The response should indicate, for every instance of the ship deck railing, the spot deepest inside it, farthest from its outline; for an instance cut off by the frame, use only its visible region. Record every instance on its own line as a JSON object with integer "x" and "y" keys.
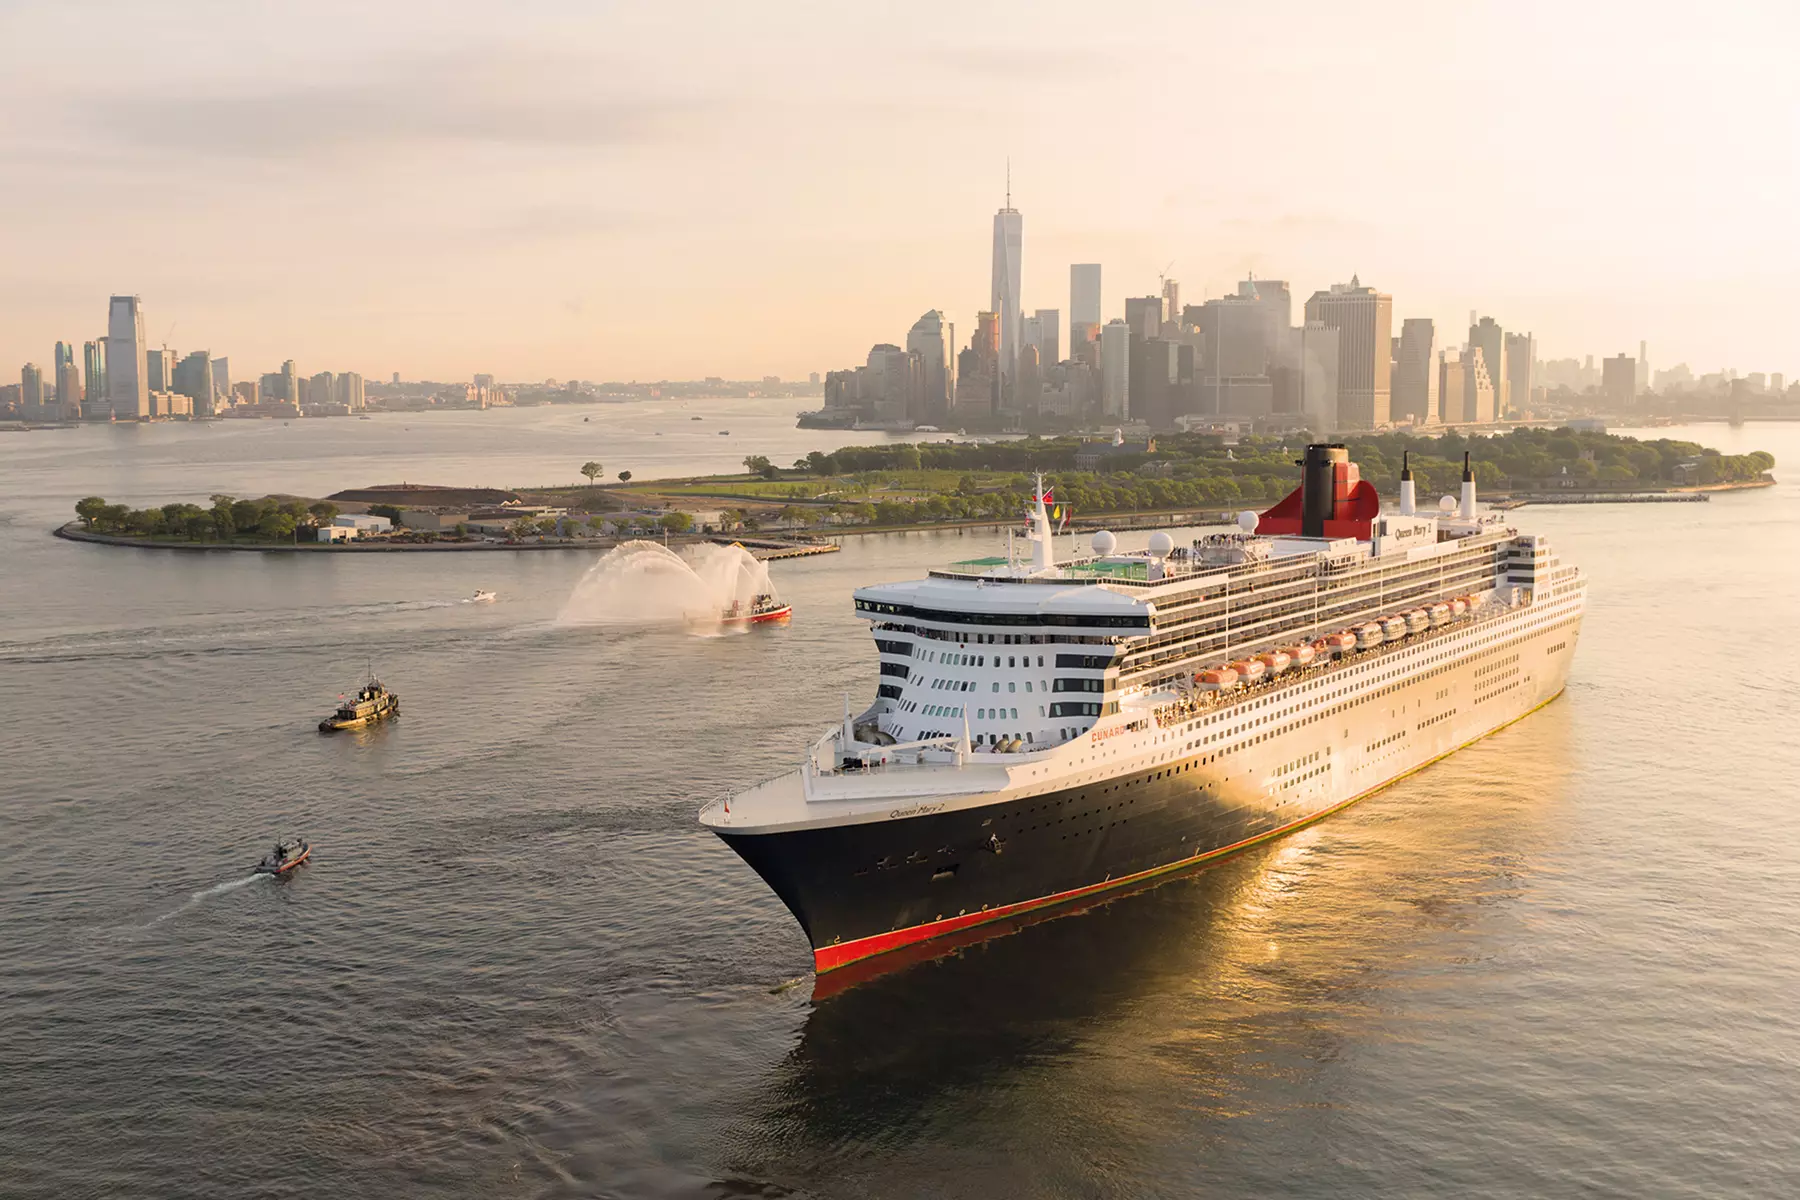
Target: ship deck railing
{"x": 1194, "y": 702}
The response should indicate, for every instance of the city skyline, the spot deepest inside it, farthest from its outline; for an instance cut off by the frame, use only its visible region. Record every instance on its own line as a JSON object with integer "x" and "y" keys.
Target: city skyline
{"x": 615, "y": 218}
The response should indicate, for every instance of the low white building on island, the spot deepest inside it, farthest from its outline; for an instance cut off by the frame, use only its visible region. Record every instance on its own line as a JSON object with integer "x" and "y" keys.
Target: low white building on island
{"x": 346, "y": 526}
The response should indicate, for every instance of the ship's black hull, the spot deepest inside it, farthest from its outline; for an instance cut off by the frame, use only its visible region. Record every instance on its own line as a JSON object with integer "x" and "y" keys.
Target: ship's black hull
{"x": 867, "y": 888}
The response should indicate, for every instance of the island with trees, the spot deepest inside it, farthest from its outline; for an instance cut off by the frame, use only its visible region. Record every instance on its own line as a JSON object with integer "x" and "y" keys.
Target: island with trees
{"x": 1176, "y": 478}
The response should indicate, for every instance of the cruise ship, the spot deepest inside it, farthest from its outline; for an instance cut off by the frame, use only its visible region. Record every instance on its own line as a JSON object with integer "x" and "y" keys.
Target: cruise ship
{"x": 1043, "y": 731}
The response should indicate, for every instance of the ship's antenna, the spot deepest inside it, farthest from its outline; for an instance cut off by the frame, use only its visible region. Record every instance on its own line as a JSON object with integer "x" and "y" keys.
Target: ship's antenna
{"x": 1009, "y": 181}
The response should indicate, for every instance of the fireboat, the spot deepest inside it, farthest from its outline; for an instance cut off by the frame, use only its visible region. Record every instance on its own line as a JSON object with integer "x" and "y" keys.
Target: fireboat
{"x": 764, "y": 607}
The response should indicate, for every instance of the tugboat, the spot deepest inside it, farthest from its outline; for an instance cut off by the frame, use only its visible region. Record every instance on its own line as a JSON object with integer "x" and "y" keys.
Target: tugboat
{"x": 284, "y": 857}
{"x": 760, "y": 609}
{"x": 373, "y": 703}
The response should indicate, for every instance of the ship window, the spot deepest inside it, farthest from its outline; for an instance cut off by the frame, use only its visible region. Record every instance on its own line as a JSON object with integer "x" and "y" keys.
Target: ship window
{"x": 1011, "y": 687}
{"x": 1009, "y": 661}
{"x": 996, "y": 686}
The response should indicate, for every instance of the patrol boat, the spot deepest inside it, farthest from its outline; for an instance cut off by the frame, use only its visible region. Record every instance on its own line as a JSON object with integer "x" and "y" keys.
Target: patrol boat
{"x": 284, "y": 857}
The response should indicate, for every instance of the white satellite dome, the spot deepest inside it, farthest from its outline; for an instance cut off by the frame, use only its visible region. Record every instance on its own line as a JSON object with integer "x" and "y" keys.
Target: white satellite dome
{"x": 1248, "y": 521}
{"x": 1161, "y": 543}
{"x": 1446, "y": 503}
{"x": 1104, "y": 542}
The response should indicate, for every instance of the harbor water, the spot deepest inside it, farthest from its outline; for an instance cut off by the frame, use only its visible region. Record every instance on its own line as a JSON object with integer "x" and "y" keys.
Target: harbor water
{"x": 1563, "y": 962}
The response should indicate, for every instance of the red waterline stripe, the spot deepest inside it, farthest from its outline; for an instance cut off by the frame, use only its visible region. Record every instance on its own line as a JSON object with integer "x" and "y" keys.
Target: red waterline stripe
{"x": 844, "y": 953}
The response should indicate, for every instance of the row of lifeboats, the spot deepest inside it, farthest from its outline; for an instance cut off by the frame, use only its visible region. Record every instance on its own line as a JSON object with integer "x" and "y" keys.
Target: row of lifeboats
{"x": 1271, "y": 663}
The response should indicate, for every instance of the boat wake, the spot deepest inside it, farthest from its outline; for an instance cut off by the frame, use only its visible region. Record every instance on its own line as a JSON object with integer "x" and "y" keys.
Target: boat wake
{"x": 205, "y": 894}
{"x": 647, "y": 584}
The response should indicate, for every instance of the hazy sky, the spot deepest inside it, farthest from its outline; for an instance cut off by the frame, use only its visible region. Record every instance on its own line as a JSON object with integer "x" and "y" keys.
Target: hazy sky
{"x": 673, "y": 190}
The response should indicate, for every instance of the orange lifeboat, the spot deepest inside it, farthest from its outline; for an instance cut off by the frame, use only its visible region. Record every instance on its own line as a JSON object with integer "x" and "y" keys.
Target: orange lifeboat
{"x": 1303, "y": 654}
{"x": 1341, "y": 643}
{"x": 1216, "y": 678}
{"x": 1276, "y": 661}
{"x": 1251, "y": 670}
{"x": 1458, "y": 607}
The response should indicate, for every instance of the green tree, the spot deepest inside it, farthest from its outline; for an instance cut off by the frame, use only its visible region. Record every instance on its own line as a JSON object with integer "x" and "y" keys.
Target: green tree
{"x": 277, "y": 526}
{"x": 624, "y": 476}
{"x": 546, "y": 526}
{"x": 199, "y": 525}
{"x": 592, "y": 470}
{"x": 907, "y": 459}
{"x": 524, "y": 527}
{"x": 385, "y": 510}
{"x": 758, "y": 464}
{"x": 89, "y": 510}
{"x": 323, "y": 512}
{"x": 462, "y": 529}
{"x": 675, "y": 522}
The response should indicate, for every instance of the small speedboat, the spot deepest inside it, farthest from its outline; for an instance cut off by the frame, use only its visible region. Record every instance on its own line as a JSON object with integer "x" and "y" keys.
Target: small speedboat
{"x": 482, "y": 596}
{"x": 284, "y": 857}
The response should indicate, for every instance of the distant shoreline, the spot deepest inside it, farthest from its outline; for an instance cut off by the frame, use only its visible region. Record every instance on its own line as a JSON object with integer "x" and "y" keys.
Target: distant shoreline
{"x": 75, "y": 533}
{"x": 766, "y": 549}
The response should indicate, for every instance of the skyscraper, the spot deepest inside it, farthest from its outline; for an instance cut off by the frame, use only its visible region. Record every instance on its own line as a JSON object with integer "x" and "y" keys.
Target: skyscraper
{"x": 1236, "y": 351}
{"x": 68, "y": 391}
{"x": 1009, "y": 233}
{"x": 1171, "y": 308}
{"x": 1481, "y": 399}
{"x": 322, "y": 388}
{"x": 31, "y": 392}
{"x": 1415, "y": 386}
{"x": 194, "y": 379}
{"x": 1144, "y": 316}
{"x": 1049, "y": 344}
{"x": 159, "y": 370}
{"x": 1084, "y": 312}
{"x": 1115, "y": 370}
{"x": 290, "y": 383}
{"x": 94, "y": 404}
{"x": 1521, "y": 368}
{"x": 127, "y": 394}
{"x": 1364, "y": 319}
{"x": 1318, "y": 351}
{"x": 221, "y": 377}
{"x": 1491, "y": 339}
{"x": 1452, "y": 388}
{"x": 1618, "y": 380}
{"x": 350, "y": 391}
{"x": 929, "y": 338}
